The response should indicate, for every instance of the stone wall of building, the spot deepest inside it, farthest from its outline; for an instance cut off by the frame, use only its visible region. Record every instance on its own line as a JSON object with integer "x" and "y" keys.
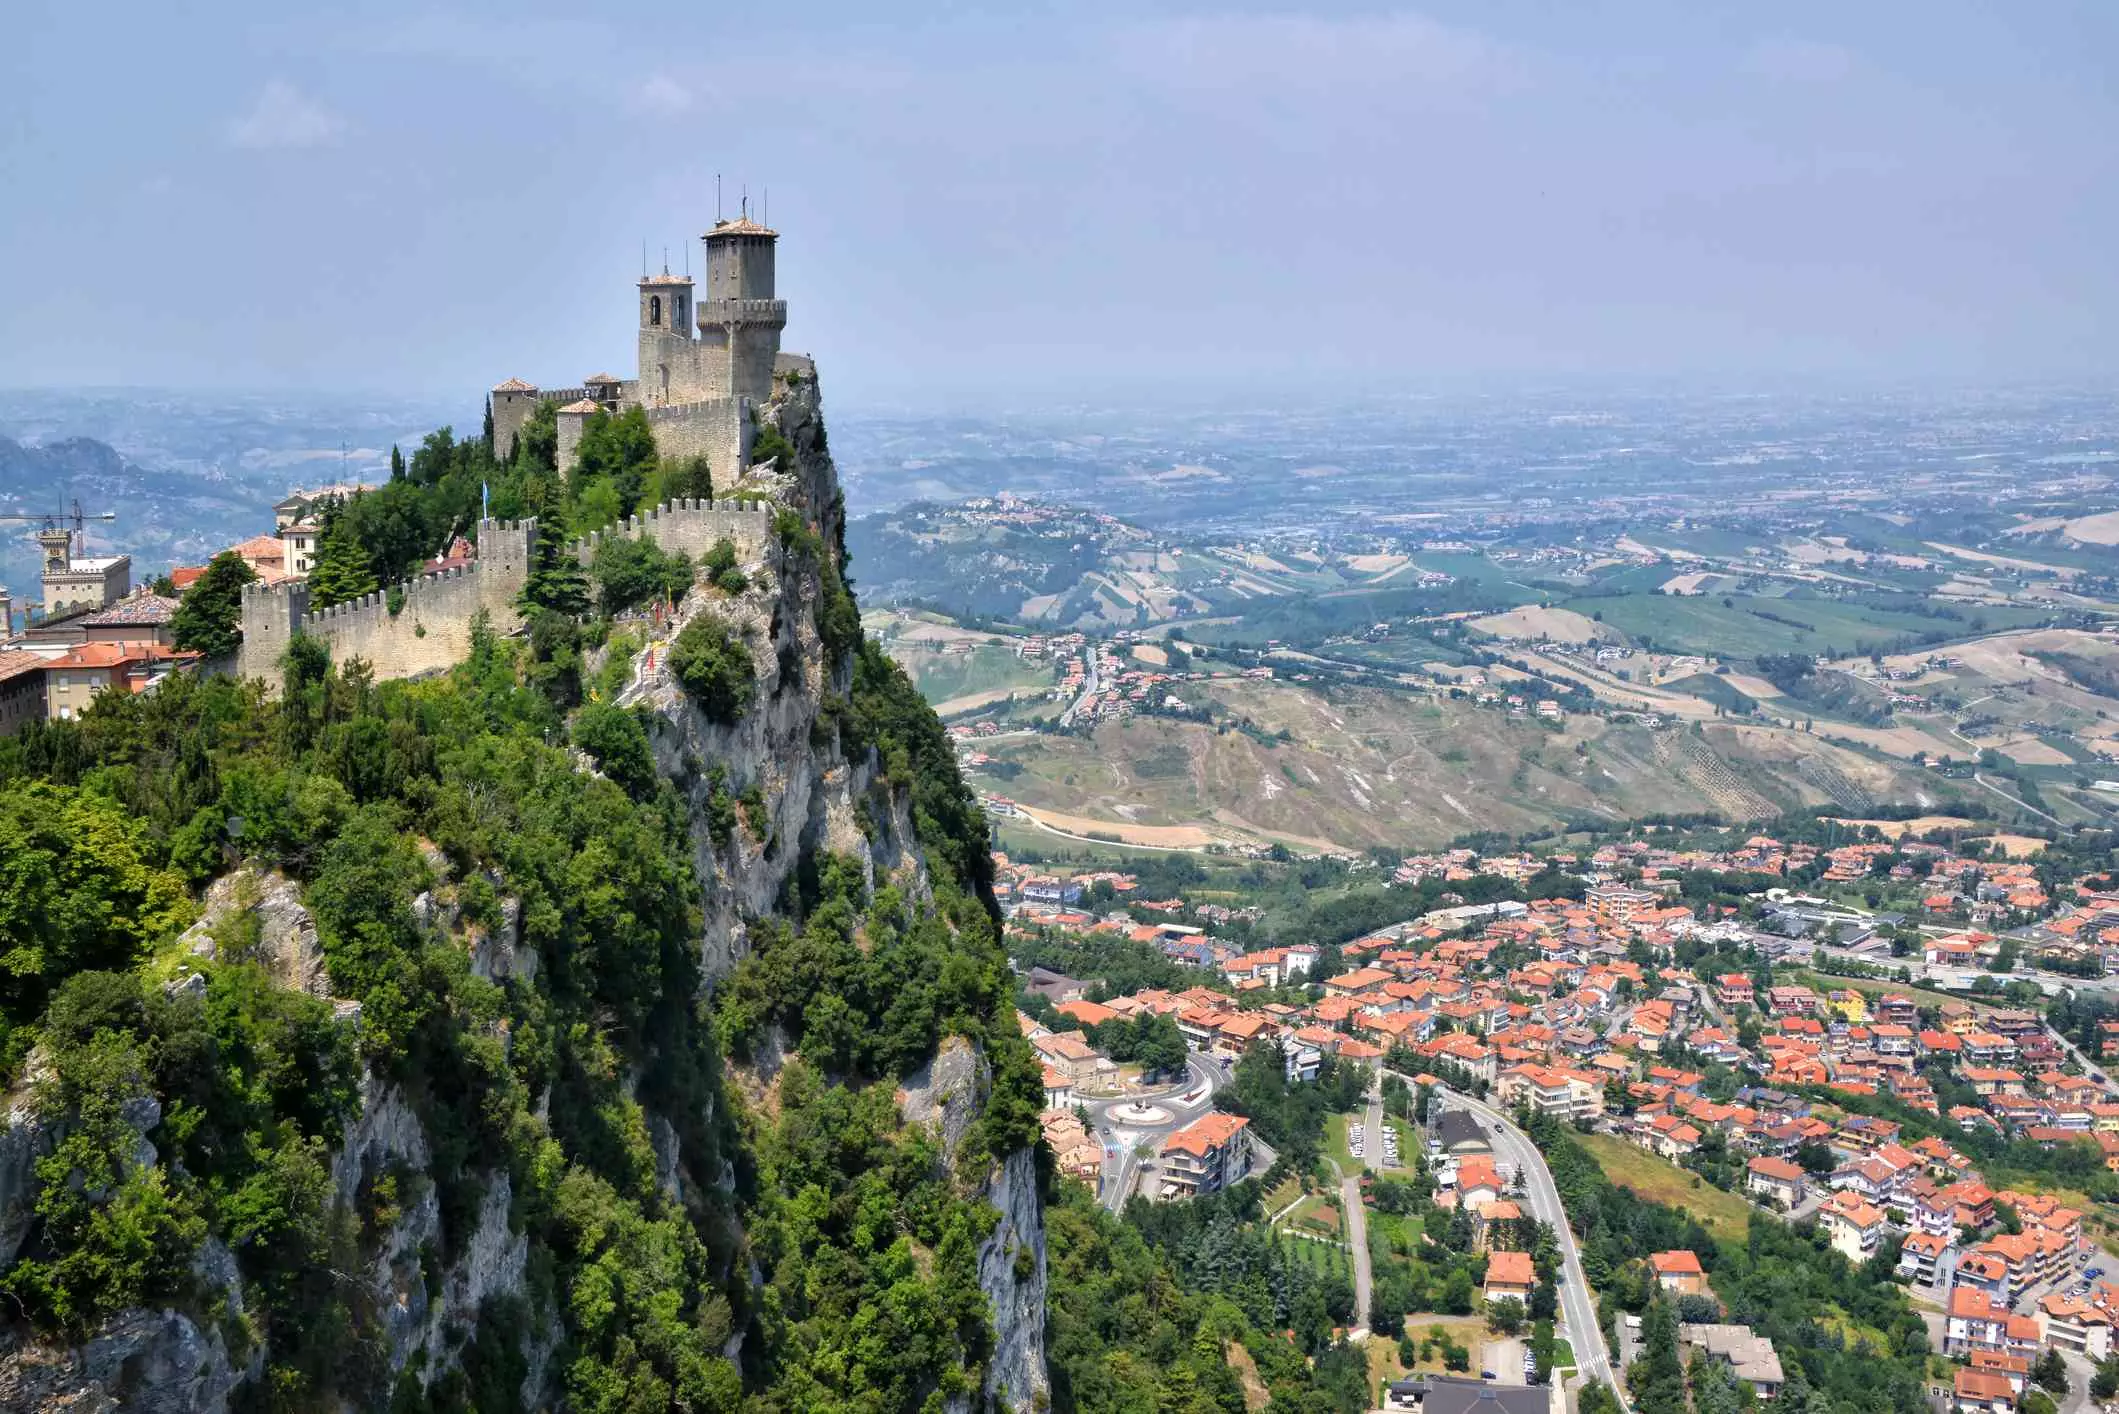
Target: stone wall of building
{"x": 431, "y": 629}
{"x": 719, "y": 429}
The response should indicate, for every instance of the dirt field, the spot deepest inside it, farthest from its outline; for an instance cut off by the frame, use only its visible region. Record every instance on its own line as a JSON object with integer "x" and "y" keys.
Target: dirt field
{"x": 1160, "y": 836}
{"x": 2096, "y": 530}
{"x": 1532, "y": 622}
{"x": 971, "y": 701}
{"x": 2018, "y": 846}
{"x": 1892, "y": 829}
{"x": 2030, "y": 751}
{"x": 1984, "y": 558}
{"x": 1374, "y": 564}
{"x": 1148, "y": 653}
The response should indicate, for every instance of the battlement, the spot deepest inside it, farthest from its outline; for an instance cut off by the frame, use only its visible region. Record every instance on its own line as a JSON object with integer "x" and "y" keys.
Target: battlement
{"x": 431, "y": 630}
{"x": 742, "y": 311}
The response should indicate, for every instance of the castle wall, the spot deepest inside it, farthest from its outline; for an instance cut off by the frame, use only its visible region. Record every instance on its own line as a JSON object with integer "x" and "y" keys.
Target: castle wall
{"x": 719, "y": 429}
{"x": 690, "y": 526}
{"x": 432, "y": 629}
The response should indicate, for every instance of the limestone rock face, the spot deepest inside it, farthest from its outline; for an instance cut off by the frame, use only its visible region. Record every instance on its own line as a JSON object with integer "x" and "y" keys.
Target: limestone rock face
{"x": 27, "y": 1137}
{"x": 285, "y": 935}
{"x": 141, "y": 1362}
{"x": 1013, "y": 1274}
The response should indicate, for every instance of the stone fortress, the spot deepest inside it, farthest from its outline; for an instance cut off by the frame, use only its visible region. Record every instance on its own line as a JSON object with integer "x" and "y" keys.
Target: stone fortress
{"x": 702, "y": 393}
{"x": 704, "y": 365}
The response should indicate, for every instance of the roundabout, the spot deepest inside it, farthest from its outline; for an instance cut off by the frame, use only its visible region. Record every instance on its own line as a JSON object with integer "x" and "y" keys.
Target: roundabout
{"x": 1135, "y": 1114}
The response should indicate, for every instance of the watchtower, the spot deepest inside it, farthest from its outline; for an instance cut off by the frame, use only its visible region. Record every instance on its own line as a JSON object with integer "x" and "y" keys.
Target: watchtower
{"x": 512, "y": 403}
{"x": 739, "y": 315}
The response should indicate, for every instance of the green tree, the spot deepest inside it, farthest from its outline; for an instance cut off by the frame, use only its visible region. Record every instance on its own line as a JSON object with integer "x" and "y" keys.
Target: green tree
{"x": 617, "y": 742}
{"x": 209, "y": 620}
{"x": 629, "y": 572}
{"x": 342, "y": 570}
{"x": 713, "y": 663}
{"x": 79, "y": 891}
{"x": 556, "y": 584}
{"x": 616, "y": 458}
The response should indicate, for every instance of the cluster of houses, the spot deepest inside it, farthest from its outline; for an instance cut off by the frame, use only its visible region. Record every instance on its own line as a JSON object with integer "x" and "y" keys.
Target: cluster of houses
{"x": 1562, "y": 1007}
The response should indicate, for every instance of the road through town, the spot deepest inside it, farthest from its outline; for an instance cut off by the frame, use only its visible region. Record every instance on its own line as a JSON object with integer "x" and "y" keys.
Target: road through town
{"x": 1578, "y": 1304}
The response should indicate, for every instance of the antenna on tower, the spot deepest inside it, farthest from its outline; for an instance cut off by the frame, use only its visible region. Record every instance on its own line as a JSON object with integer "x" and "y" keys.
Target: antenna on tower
{"x": 746, "y": 201}
{"x": 717, "y": 198}
{"x": 643, "y": 257}
{"x": 665, "y": 260}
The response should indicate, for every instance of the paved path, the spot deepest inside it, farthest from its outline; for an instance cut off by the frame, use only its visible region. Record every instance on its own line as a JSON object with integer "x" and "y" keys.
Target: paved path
{"x": 1374, "y": 1143}
{"x": 1357, "y": 1236}
{"x": 1578, "y": 1304}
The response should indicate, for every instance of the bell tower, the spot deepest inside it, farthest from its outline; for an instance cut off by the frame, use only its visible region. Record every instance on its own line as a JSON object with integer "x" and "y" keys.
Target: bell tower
{"x": 668, "y": 356}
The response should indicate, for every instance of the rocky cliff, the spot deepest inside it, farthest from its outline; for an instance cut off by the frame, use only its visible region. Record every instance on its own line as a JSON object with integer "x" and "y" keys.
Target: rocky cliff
{"x": 446, "y": 1284}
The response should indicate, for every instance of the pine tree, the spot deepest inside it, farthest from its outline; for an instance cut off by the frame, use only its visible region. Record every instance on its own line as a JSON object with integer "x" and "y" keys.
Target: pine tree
{"x": 342, "y": 570}
{"x": 556, "y": 583}
{"x": 397, "y": 462}
{"x": 209, "y": 620}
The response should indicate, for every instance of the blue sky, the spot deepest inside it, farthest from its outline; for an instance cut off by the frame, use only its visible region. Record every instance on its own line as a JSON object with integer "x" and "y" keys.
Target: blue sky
{"x": 1041, "y": 201}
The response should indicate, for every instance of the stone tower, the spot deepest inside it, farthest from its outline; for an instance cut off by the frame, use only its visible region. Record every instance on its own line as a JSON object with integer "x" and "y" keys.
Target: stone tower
{"x": 740, "y": 319}
{"x": 669, "y": 358}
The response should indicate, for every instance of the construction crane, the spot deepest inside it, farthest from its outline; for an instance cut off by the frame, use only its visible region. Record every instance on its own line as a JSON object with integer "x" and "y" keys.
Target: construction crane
{"x": 76, "y": 517}
{"x": 73, "y": 521}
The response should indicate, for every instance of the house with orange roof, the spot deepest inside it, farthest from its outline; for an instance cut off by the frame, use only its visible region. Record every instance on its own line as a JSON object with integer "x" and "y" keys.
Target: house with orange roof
{"x": 1679, "y": 1272}
{"x": 1856, "y": 1227}
{"x": 1358, "y": 983}
{"x": 1089, "y": 1014}
{"x": 2072, "y": 1324}
{"x": 1776, "y": 1181}
{"x": 1920, "y": 1257}
{"x": 1510, "y": 1276}
{"x": 1205, "y": 1156}
{"x": 1983, "y": 1392}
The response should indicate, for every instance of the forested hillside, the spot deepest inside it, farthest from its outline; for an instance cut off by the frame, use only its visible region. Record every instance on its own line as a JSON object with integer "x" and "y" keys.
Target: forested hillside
{"x": 361, "y": 1039}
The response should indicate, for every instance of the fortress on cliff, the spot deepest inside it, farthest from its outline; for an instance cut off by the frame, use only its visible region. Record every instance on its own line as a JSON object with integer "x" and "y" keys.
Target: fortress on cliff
{"x": 704, "y": 364}
{"x": 706, "y": 369}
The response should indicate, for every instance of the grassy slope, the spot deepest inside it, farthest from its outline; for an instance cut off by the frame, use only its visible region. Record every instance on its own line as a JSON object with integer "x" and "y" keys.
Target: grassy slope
{"x": 1724, "y": 1214}
{"x": 1369, "y": 766}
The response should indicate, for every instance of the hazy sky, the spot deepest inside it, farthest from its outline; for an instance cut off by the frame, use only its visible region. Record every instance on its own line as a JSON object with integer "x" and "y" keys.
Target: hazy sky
{"x": 1038, "y": 200}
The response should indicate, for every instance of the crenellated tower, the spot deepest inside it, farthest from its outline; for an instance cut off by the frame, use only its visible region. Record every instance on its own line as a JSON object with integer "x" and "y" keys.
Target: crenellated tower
{"x": 740, "y": 317}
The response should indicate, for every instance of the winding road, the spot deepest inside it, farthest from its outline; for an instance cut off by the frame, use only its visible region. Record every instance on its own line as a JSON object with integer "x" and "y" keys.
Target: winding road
{"x": 1578, "y": 1306}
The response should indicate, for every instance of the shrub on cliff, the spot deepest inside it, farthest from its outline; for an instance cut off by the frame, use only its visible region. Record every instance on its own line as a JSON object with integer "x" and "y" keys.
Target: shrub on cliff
{"x": 629, "y": 573}
{"x": 712, "y": 663}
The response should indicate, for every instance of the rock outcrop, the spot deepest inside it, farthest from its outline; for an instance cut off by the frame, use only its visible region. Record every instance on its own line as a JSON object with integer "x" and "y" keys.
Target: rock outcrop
{"x": 784, "y": 750}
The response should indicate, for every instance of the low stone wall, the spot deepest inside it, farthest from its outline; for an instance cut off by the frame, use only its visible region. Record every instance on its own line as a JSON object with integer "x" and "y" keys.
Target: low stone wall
{"x": 431, "y": 630}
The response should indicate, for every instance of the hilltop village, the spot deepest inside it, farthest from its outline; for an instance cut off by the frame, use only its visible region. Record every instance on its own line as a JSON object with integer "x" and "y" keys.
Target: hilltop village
{"x": 1769, "y": 1050}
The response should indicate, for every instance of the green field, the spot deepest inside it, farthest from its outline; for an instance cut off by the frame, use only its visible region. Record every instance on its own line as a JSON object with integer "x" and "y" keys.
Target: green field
{"x": 1724, "y": 1214}
{"x": 1706, "y": 625}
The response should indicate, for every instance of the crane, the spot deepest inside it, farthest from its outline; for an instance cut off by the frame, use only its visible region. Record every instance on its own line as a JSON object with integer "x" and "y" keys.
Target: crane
{"x": 53, "y": 520}
{"x": 73, "y": 521}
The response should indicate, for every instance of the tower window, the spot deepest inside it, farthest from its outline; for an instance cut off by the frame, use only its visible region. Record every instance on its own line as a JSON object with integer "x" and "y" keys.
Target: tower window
{"x": 654, "y": 309}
